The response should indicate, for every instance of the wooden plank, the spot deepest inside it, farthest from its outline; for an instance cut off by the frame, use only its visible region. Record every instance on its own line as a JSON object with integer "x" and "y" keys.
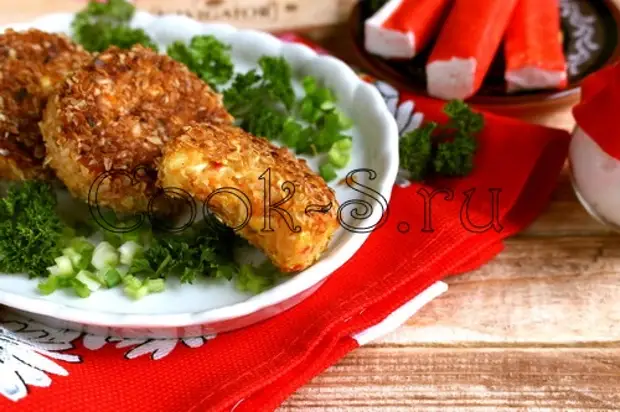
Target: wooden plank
{"x": 534, "y": 329}
{"x": 539, "y": 290}
{"x": 258, "y": 14}
{"x": 565, "y": 216}
{"x": 466, "y": 379}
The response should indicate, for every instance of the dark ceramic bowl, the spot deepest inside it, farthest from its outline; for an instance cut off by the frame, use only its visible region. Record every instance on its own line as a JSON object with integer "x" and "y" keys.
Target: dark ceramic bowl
{"x": 591, "y": 32}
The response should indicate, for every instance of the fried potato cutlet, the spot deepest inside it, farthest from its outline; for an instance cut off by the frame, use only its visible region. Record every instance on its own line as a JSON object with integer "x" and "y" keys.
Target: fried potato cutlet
{"x": 32, "y": 64}
{"x": 116, "y": 114}
{"x": 207, "y": 158}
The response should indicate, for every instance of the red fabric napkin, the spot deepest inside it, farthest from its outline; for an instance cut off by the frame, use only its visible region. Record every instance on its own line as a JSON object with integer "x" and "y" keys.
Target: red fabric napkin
{"x": 257, "y": 368}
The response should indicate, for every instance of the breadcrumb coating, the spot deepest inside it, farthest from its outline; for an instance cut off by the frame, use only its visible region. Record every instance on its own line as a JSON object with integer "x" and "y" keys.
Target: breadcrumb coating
{"x": 116, "y": 114}
{"x": 32, "y": 65}
{"x": 209, "y": 157}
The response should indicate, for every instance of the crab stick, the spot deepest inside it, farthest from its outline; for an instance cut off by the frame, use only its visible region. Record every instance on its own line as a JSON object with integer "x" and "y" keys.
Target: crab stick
{"x": 466, "y": 47}
{"x": 401, "y": 28}
{"x": 533, "y": 47}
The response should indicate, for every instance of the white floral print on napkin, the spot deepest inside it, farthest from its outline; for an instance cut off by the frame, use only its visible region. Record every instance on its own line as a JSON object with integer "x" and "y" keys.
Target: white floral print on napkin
{"x": 156, "y": 348}
{"x": 29, "y": 353}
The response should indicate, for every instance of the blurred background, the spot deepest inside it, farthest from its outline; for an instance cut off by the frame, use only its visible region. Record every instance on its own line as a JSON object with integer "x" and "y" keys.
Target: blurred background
{"x": 322, "y": 20}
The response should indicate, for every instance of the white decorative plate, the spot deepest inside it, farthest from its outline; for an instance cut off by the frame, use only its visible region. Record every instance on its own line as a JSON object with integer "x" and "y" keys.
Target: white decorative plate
{"x": 212, "y": 307}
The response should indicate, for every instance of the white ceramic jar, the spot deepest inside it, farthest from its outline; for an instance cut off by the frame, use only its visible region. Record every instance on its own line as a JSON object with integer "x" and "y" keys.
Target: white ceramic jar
{"x": 596, "y": 178}
{"x": 594, "y": 153}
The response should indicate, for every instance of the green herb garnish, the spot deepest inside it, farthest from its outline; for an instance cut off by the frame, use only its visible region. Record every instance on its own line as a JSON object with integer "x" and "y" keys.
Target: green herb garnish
{"x": 101, "y": 25}
{"x": 256, "y": 279}
{"x": 36, "y": 241}
{"x": 32, "y": 234}
{"x": 199, "y": 251}
{"x": 253, "y": 94}
{"x": 207, "y": 57}
{"x": 443, "y": 150}
{"x": 265, "y": 103}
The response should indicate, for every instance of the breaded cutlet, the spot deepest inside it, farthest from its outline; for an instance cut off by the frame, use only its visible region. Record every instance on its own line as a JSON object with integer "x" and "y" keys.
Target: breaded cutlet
{"x": 32, "y": 65}
{"x": 116, "y": 114}
{"x": 207, "y": 158}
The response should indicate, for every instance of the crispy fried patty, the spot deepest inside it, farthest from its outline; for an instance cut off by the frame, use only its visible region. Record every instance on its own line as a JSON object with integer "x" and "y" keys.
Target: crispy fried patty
{"x": 116, "y": 114}
{"x": 208, "y": 157}
{"x": 32, "y": 64}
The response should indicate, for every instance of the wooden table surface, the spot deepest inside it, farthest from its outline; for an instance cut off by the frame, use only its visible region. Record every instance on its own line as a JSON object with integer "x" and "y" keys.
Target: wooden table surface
{"x": 538, "y": 328}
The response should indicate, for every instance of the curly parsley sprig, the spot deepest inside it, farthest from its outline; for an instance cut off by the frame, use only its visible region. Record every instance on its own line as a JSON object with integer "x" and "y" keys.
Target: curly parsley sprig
{"x": 104, "y": 24}
{"x": 31, "y": 231}
{"x": 443, "y": 150}
{"x": 266, "y": 104}
{"x": 207, "y": 57}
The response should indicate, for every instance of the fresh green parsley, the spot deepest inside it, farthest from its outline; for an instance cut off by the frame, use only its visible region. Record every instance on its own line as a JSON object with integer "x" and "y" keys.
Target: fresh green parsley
{"x": 266, "y": 105}
{"x": 253, "y": 94}
{"x": 416, "y": 151}
{"x": 104, "y": 24}
{"x": 31, "y": 232}
{"x": 200, "y": 251}
{"x": 257, "y": 279}
{"x": 35, "y": 240}
{"x": 207, "y": 57}
{"x": 443, "y": 150}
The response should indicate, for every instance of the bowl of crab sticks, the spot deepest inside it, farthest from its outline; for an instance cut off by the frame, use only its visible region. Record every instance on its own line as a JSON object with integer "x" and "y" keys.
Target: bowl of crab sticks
{"x": 511, "y": 57}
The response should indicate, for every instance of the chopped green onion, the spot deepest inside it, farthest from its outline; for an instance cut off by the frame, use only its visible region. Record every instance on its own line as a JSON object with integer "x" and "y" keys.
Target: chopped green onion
{"x": 80, "y": 289}
{"x": 323, "y": 94}
{"x": 343, "y": 145}
{"x": 345, "y": 122}
{"x": 132, "y": 282}
{"x": 73, "y": 255}
{"x": 65, "y": 268}
{"x": 327, "y": 106}
{"x": 225, "y": 272}
{"x": 307, "y": 110}
{"x": 87, "y": 279}
{"x": 111, "y": 277}
{"x": 309, "y": 84}
{"x": 250, "y": 280}
{"x": 155, "y": 285}
{"x": 136, "y": 293}
{"x": 129, "y": 250}
{"x": 50, "y": 285}
{"x": 328, "y": 172}
{"x": 112, "y": 238}
{"x": 338, "y": 158}
{"x": 104, "y": 256}
{"x": 80, "y": 251}
{"x": 81, "y": 245}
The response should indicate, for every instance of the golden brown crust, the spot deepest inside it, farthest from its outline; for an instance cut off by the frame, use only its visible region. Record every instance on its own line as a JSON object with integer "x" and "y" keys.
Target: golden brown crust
{"x": 117, "y": 113}
{"x": 210, "y": 157}
{"x": 32, "y": 64}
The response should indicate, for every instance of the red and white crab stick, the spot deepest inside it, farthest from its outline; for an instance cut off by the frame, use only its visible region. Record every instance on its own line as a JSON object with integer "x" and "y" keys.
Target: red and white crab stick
{"x": 533, "y": 47}
{"x": 466, "y": 47}
{"x": 401, "y": 28}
